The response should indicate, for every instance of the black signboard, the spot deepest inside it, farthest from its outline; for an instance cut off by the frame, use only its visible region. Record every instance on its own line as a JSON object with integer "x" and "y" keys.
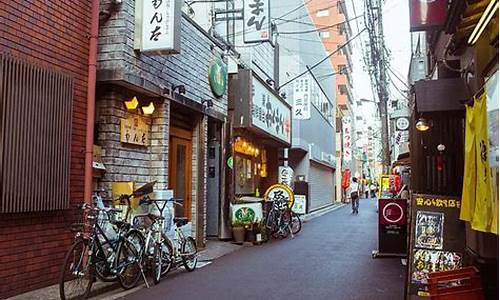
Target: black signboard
{"x": 392, "y": 228}
{"x": 437, "y": 240}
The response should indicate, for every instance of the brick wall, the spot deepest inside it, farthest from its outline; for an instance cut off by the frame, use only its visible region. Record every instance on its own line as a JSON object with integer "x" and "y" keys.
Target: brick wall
{"x": 118, "y": 61}
{"x": 52, "y": 34}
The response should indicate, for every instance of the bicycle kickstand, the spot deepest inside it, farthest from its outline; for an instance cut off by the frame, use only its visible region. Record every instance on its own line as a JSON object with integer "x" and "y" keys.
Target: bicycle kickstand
{"x": 144, "y": 276}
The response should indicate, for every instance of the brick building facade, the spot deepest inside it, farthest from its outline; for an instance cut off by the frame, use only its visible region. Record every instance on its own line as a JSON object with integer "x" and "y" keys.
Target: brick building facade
{"x": 52, "y": 35}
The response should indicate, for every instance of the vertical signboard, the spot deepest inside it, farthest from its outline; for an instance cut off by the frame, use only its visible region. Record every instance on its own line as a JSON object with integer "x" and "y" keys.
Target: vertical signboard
{"x": 427, "y": 14}
{"x": 157, "y": 26}
{"x": 437, "y": 240}
{"x": 392, "y": 229}
{"x": 257, "y": 23}
{"x": 301, "y": 99}
{"x": 347, "y": 139}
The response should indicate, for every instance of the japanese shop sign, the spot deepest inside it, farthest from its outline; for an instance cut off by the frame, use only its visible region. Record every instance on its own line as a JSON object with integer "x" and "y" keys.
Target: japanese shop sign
{"x": 246, "y": 212}
{"x": 269, "y": 112}
{"x": 281, "y": 193}
{"x": 347, "y": 139}
{"x": 257, "y": 23}
{"x": 437, "y": 239}
{"x": 427, "y": 14}
{"x": 134, "y": 131}
{"x": 299, "y": 204}
{"x": 217, "y": 77}
{"x": 157, "y": 26}
{"x": 392, "y": 230}
{"x": 301, "y": 99}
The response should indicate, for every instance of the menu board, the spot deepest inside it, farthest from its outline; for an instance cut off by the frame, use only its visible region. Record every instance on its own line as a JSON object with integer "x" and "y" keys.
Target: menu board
{"x": 437, "y": 240}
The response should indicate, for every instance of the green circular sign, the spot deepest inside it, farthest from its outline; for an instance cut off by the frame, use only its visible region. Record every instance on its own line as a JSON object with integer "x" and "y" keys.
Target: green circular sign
{"x": 230, "y": 162}
{"x": 217, "y": 77}
{"x": 245, "y": 215}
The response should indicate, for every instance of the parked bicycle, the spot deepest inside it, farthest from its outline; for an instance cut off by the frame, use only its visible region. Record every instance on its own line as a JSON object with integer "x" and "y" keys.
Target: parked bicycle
{"x": 282, "y": 221}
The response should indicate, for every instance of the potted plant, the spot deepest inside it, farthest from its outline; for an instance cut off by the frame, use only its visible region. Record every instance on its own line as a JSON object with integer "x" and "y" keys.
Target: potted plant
{"x": 261, "y": 235}
{"x": 238, "y": 231}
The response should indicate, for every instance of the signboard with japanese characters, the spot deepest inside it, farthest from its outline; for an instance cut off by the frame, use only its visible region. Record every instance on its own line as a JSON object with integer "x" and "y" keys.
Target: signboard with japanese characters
{"x": 157, "y": 26}
{"x": 301, "y": 99}
{"x": 285, "y": 175}
{"x": 347, "y": 139}
{"x": 269, "y": 112}
{"x": 134, "y": 131}
{"x": 257, "y": 21}
{"x": 436, "y": 240}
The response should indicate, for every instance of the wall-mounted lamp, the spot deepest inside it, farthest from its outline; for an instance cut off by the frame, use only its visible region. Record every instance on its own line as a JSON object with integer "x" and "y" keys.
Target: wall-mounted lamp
{"x": 148, "y": 110}
{"x": 441, "y": 147}
{"x": 181, "y": 87}
{"x": 209, "y": 103}
{"x": 131, "y": 104}
{"x": 423, "y": 125}
{"x": 488, "y": 13}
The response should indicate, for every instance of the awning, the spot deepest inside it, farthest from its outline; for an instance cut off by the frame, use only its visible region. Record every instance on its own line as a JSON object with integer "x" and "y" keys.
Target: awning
{"x": 403, "y": 160}
{"x": 441, "y": 95}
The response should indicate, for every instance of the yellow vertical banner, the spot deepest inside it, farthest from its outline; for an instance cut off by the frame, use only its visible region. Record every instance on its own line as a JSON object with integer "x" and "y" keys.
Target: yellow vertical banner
{"x": 483, "y": 212}
{"x": 469, "y": 181}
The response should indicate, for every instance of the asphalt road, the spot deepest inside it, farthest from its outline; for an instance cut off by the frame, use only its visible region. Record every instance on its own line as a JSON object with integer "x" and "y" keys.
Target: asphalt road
{"x": 329, "y": 259}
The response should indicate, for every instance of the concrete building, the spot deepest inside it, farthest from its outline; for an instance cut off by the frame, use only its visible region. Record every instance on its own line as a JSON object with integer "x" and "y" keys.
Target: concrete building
{"x": 312, "y": 95}
{"x": 330, "y": 19}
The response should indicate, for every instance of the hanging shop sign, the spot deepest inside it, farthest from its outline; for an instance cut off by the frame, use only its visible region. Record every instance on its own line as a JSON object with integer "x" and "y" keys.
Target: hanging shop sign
{"x": 134, "y": 130}
{"x": 347, "y": 139}
{"x": 269, "y": 112}
{"x": 437, "y": 239}
{"x": 217, "y": 77}
{"x": 402, "y": 123}
{"x": 257, "y": 21}
{"x": 301, "y": 99}
{"x": 427, "y": 14}
{"x": 157, "y": 26}
{"x": 280, "y": 192}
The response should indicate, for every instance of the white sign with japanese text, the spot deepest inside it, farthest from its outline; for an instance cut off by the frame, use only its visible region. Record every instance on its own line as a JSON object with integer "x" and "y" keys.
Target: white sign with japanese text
{"x": 157, "y": 26}
{"x": 301, "y": 99}
{"x": 257, "y": 23}
{"x": 285, "y": 175}
{"x": 347, "y": 139}
{"x": 269, "y": 113}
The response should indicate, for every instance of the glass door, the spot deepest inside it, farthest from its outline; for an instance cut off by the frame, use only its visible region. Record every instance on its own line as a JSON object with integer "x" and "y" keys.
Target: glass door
{"x": 180, "y": 163}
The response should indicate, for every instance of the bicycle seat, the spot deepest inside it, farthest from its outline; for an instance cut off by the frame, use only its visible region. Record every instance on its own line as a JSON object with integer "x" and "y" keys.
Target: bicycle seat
{"x": 144, "y": 190}
{"x": 155, "y": 217}
{"x": 180, "y": 221}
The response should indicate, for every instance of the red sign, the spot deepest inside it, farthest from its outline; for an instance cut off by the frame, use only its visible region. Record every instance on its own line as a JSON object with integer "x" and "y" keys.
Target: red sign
{"x": 427, "y": 14}
{"x": 392, "y": 212}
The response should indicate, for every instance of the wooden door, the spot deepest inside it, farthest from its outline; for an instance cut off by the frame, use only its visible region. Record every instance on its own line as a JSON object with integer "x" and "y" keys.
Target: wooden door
{"x": 180, "y": 166}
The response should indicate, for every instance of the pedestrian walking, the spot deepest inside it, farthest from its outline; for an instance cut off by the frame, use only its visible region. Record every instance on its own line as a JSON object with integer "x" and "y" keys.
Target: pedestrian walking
{"x": 354, "y": 190}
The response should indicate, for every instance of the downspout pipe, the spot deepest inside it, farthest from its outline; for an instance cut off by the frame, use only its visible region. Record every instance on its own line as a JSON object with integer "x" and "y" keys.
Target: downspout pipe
{"x": 91, "y": 85}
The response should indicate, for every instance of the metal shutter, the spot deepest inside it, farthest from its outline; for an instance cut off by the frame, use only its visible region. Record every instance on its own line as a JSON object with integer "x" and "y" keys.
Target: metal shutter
{"x": 321, "y": 186}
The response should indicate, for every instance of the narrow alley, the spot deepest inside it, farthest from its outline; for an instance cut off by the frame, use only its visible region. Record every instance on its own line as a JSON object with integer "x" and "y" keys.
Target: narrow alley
{"x": 329, "y": 259}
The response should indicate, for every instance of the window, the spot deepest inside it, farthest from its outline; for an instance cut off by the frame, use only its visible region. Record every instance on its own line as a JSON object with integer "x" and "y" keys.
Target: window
{"x": 342, "y": 89}
{"x": 323, "y": 13}
{"x": 324, "y": 34}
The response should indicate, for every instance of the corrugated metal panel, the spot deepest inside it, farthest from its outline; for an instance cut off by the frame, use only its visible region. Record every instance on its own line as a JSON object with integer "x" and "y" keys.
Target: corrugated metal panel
{"x": 35, "y": 134}
{"x": 321, "y": 186}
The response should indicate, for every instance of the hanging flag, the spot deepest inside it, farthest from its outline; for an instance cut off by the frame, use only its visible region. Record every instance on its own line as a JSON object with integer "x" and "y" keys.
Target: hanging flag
{"x": 483, "y": 212}
{"x": 469, "y": 182}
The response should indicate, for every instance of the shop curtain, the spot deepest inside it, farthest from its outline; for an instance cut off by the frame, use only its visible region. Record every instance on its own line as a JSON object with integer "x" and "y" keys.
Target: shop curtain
{"x": 479, "y": 205}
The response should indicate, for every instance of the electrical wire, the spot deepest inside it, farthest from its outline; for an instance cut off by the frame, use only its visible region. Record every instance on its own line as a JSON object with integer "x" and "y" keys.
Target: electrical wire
{"x": 319, "y": 29}
{"x": 324, "y": 59}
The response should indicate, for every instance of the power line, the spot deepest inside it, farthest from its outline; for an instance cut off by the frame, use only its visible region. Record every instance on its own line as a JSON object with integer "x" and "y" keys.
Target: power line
{"x": 324, "y": 59}
{"x": 319, "y": 29}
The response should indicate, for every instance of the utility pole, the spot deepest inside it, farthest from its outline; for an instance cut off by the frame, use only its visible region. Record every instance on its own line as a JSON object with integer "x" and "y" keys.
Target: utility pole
{"x": 376, "y": 64}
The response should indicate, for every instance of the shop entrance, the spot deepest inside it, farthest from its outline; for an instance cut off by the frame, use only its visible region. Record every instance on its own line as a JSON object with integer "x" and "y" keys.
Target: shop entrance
{"x": 180, "y": 166}
{"x": 213, "y": 177}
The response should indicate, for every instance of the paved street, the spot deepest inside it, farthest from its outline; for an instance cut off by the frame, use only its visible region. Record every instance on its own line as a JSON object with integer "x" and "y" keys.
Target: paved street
{"x": 329, "y": 259}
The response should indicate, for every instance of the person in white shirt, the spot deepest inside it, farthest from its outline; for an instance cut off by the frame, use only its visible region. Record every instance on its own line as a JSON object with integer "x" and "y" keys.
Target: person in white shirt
{"x": 354, "y": 190}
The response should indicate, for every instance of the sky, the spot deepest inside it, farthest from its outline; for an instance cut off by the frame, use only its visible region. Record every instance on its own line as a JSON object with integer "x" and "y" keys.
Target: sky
{"x": 397, "y": 39}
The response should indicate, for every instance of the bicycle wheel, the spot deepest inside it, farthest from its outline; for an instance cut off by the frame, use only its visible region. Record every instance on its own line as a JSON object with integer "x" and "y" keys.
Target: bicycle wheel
{"x": 166, "y": 254}
{"x": 128, "y": 260}
{"x": 296, "y": 223}
{"x": 156, "y": 263}
{"x": 77, "y": 275}
{"x": 271, "y": 221}
{"x": 103, "y": 268}
{"x": 189, "y": 247}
